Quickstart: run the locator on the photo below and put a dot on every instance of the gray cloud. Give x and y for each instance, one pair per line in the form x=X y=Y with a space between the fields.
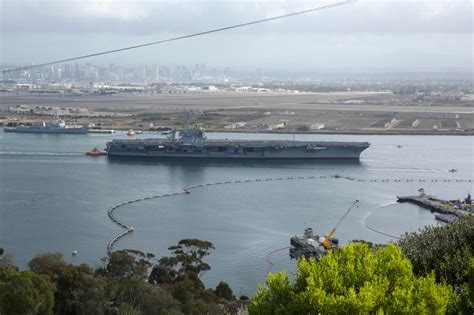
x=366 y=34
x=147 y=17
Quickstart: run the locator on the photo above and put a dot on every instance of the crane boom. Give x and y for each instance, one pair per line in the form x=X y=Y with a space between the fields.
x=327 y=241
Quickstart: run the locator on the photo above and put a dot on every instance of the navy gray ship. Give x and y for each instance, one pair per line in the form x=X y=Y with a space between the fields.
x=56 y=126
x=191 y=143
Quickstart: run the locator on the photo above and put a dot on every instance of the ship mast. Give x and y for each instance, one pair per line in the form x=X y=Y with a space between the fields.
x=187 y=119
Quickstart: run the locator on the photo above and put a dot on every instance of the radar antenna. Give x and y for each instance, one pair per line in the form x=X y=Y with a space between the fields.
x=187 y=119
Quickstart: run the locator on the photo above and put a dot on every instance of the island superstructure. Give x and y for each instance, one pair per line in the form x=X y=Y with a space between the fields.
x=191 y=143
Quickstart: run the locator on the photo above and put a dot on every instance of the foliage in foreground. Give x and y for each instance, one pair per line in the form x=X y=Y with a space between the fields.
x=25 y=293
x=355 y=279
x=448 y=251
x=123 y=285
x=413 y=278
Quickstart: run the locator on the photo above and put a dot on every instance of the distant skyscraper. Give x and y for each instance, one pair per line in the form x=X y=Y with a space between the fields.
x=68 y=71
x=155 y=72
x=76 y=72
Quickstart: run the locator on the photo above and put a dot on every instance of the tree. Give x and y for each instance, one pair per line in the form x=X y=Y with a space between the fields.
x=79 y=291
x=189 y=254
x=136 y=294
x=179 y=274
x=187 y=258
x=448 y=251
x=46 y=263
x=88 y=295
x=354 y=279
x=224 y=291
x=161 y=275
x=126 y=264
x=25 y=293
x=7 y=262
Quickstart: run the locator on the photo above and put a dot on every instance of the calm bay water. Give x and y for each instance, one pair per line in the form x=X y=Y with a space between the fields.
x=54 y=198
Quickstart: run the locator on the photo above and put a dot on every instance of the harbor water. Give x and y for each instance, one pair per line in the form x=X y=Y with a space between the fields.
x=54 y=198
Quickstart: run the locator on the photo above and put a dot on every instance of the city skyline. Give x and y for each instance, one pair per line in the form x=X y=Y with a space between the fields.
x=156 y=73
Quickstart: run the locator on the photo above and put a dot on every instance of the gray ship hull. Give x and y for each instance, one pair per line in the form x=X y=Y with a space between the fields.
x=152 y=148
x=46 y=130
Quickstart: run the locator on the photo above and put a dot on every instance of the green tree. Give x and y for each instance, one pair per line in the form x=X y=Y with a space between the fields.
x=448 y=251
x=79 y=291
x=355 y=279
x=189 y=255
x=179 y=274
x=25 y=293
x=187 y=259
x=223 y=290
x=126 y=264
x=46 y=263
x=136 y=294
x=7 y=262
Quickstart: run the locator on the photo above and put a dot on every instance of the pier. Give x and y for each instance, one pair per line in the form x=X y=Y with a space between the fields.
x=449 y=209
x=427 y=202
x=106 y=131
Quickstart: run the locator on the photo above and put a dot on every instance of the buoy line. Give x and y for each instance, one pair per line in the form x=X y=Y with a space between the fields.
x=129 y=229
x=187 y=190
x=375 y=230
x=380 y=232
x=267 y=256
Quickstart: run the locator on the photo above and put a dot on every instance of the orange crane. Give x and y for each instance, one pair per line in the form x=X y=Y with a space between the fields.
x=327 y=241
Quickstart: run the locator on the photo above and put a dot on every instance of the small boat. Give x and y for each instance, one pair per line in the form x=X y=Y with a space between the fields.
x=131 y=132
x=187 y=191
x=399 y=146
x=453 y=170
x=95 y=152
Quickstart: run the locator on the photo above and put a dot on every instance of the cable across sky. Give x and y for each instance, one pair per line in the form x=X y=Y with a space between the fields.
x=179 y=37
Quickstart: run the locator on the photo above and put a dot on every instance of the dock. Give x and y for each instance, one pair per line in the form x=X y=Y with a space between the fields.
x=101 y=131
x=306 y=246
x=428 y=202
x=448 y=218
x=449 y=209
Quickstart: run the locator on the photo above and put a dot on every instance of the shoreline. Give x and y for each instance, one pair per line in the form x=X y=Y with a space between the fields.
x=318 y=132
x=351 y=132
x=328 y=132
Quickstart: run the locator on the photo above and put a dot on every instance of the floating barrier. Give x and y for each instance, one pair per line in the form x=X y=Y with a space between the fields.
x=129 y=229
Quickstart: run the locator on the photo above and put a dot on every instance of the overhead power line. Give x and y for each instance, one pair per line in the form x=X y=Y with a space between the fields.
x=181 y=37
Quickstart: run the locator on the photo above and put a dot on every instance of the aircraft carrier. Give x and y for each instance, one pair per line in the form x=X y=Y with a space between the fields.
x=191 y=143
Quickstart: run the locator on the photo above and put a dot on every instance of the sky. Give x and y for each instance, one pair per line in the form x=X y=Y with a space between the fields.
x=379 y=36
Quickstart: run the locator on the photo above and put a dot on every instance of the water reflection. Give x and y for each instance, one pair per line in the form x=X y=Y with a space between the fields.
x=274 y=163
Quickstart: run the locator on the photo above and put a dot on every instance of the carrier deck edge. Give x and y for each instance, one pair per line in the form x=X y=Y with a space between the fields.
x=191 y=143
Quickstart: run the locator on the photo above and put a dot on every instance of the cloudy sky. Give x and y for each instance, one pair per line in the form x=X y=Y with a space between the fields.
x=365 y=35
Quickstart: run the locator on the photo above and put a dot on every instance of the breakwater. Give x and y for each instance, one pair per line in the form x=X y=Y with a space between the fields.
x=187 y=190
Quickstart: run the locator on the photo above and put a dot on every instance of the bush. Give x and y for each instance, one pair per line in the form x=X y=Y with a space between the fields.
x=448 y=251
x=354 y=279
x=25 y=293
